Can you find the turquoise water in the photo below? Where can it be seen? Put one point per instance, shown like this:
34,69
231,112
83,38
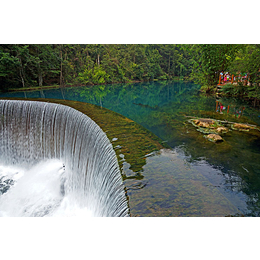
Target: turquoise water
192,177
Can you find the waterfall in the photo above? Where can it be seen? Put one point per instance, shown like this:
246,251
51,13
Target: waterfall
55,159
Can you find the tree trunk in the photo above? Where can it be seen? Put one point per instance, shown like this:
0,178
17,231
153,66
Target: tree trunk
21,73
61,76
40,79
40,75
22,79
169,65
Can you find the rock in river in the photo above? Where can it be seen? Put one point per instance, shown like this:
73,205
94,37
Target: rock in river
204,122
221,129
214,138
242,127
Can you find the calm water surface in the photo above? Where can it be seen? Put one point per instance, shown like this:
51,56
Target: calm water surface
191,176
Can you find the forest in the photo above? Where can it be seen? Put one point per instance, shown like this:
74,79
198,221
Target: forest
31,65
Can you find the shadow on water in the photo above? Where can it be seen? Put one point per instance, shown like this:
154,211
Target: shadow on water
168,167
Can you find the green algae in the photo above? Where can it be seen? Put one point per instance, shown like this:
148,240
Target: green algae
156,184
213,129
131,139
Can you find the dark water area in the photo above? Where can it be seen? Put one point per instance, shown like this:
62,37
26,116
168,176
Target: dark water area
191,176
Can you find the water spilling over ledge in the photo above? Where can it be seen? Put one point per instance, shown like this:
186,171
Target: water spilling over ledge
63,150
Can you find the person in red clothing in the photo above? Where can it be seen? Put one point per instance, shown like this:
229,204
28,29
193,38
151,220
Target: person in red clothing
221,108
225,78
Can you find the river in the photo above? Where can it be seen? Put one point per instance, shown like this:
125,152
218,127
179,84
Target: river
190,176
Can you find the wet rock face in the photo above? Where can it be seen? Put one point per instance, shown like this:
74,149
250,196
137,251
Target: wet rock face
214,138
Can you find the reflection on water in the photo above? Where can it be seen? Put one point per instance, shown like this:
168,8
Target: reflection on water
236,110
178,188
192,177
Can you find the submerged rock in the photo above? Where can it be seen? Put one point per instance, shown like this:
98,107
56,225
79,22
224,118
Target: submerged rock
221,129
204,122
213,128
214,138
209,126
242,127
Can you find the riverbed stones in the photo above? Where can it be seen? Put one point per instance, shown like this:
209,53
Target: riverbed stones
213,128
209,126
214,138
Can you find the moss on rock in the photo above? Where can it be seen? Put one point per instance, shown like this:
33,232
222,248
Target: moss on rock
214,138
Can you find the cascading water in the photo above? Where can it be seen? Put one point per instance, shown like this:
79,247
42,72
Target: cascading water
56,161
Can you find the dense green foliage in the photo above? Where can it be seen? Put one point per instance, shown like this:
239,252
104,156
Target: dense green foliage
214,59
27,65
86,64
31,65
247,60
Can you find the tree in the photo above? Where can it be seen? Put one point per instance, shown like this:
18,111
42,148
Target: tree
46,64
9,65
216,58
209,60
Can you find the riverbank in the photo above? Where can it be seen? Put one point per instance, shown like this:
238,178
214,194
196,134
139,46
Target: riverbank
237,91
170,176
82,85
64,86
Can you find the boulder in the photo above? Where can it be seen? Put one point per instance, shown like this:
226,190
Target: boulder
221,129
214,138
242,127
204,122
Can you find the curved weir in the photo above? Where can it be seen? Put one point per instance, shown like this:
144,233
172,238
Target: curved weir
39,137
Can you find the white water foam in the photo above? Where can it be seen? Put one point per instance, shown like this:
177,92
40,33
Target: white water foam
37,192
37,138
